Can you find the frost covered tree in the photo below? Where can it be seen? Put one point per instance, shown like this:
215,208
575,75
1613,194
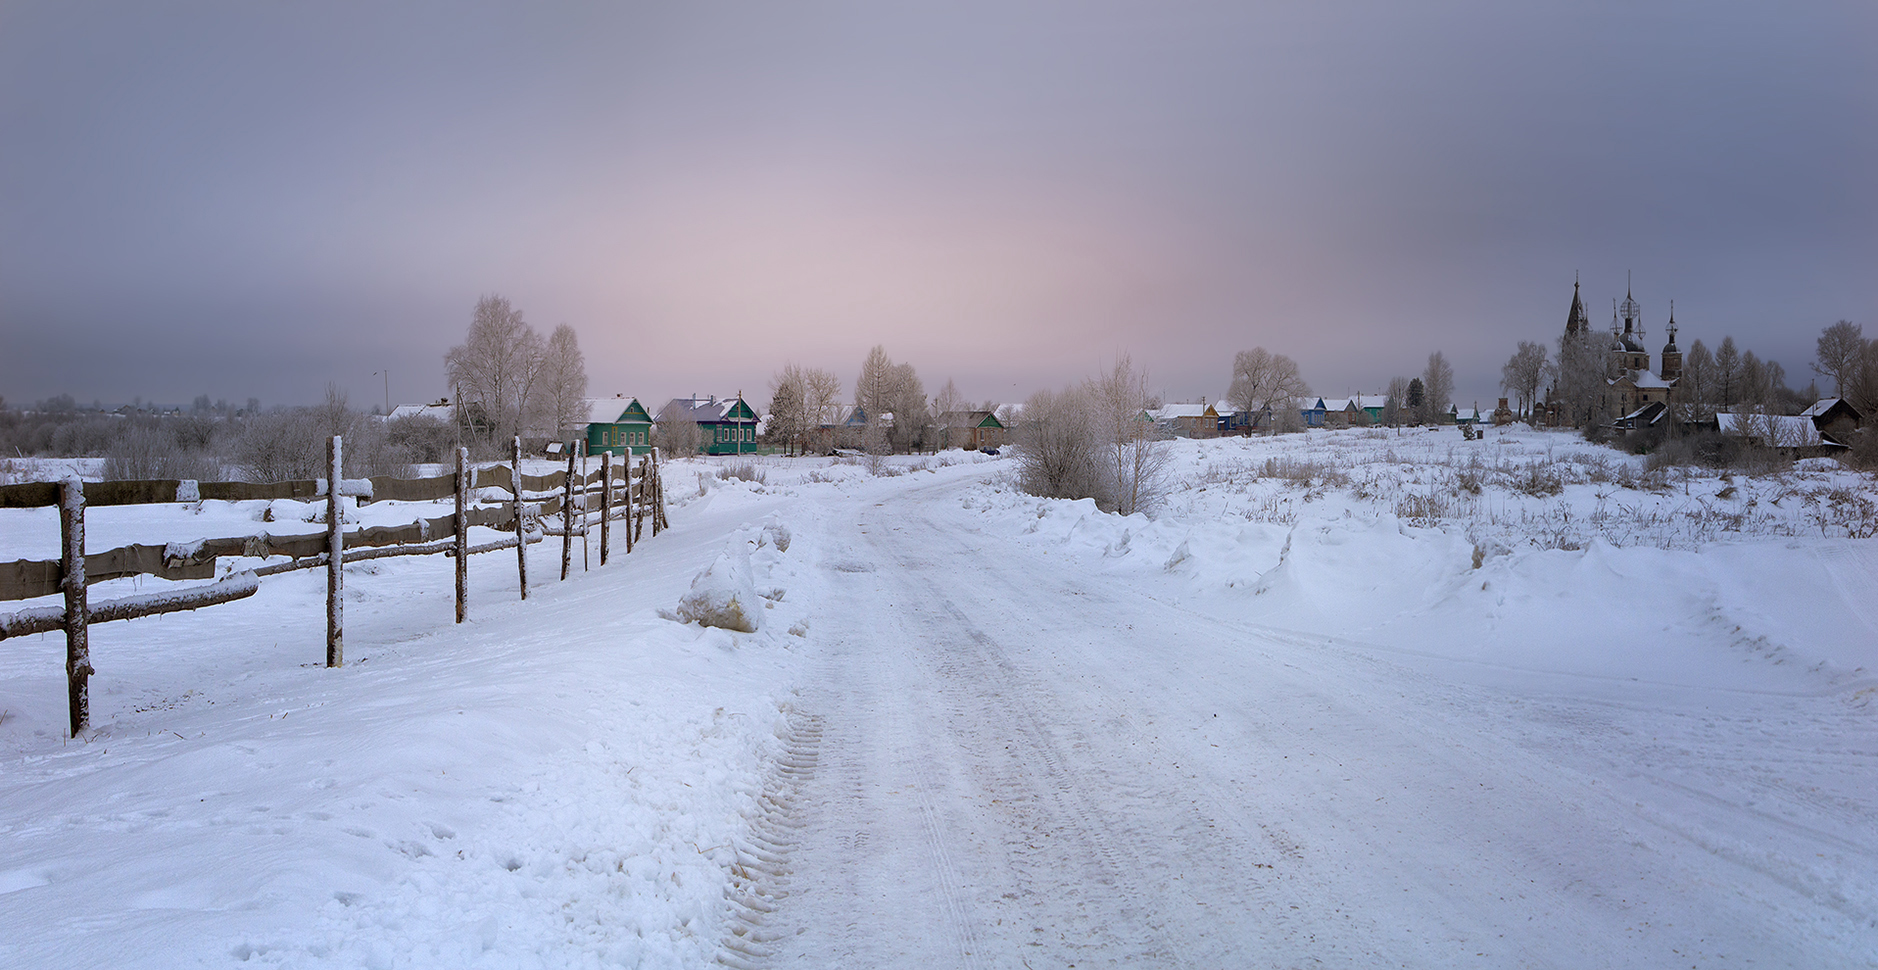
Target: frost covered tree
1522,374
1057,446
1579,376
1697,383
949,399
1137,458
493,371
821,394
676,432
1727,374
1861,389
1437,387
1838,353
563,380
873,390
912,420
1395,403
1263,381
788,416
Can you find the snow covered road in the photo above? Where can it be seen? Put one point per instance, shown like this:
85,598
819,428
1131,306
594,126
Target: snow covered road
1024,766
976,729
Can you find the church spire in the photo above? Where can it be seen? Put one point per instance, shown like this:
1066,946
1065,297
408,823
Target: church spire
1577,321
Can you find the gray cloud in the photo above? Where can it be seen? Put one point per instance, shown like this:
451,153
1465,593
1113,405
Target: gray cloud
247,200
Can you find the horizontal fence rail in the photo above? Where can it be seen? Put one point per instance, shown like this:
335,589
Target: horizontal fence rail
530,503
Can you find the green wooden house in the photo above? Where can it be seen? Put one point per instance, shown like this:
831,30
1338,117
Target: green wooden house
727,426
618,426
971,430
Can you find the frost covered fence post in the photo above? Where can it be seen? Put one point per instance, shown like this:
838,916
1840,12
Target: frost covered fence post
585,546
77,633
567,518
606,502
462,534
658,494
335,559
634,494
656,488
521,533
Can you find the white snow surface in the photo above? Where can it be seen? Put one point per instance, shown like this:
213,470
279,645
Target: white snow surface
1349,698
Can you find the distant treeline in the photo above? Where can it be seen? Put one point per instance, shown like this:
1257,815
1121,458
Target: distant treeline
210,443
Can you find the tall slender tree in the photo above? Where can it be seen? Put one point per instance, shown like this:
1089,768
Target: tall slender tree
493,371
563,380
1437,387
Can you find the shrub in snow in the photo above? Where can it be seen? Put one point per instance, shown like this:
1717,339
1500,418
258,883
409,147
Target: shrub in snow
723,595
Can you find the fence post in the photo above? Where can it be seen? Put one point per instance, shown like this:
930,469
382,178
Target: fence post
645,496
653,488
606,502
632,502
77,633
585,546
335,559
462,534
658,495
567,518
521,534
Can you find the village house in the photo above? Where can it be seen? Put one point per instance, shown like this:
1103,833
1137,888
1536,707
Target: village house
1352,412
1834,419
618,426
1197,420
971,430
727,426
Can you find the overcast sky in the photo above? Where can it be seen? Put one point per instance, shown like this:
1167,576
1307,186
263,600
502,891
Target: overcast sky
252,200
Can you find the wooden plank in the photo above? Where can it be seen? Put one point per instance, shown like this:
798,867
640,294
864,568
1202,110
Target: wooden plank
47,619
130,493
253,491
29,495
387,489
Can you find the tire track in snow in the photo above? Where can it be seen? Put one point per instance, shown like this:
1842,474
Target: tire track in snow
760,873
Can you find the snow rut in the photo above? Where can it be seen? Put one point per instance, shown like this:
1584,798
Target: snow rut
760,875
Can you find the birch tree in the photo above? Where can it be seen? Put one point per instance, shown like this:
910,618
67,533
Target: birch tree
1838,353
1437,387
1522,373
563,380
495,367
1262,381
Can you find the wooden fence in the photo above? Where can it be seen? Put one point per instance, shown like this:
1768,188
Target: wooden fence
633,494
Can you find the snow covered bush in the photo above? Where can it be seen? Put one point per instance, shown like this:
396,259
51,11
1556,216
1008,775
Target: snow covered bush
724,595
1088,441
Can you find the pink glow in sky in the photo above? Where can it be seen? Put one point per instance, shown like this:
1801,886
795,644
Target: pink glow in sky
245,200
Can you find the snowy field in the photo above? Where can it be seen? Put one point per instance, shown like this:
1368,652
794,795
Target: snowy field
1349,698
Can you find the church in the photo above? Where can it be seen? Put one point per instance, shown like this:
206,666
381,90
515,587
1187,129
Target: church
1629,382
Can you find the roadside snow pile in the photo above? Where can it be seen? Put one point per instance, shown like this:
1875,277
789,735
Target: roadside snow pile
1532,549
567,781
723,595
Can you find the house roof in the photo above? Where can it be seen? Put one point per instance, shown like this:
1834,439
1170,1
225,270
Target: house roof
613,410
442,412
1826,406
1790,428
1173,412
712,410
969,419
